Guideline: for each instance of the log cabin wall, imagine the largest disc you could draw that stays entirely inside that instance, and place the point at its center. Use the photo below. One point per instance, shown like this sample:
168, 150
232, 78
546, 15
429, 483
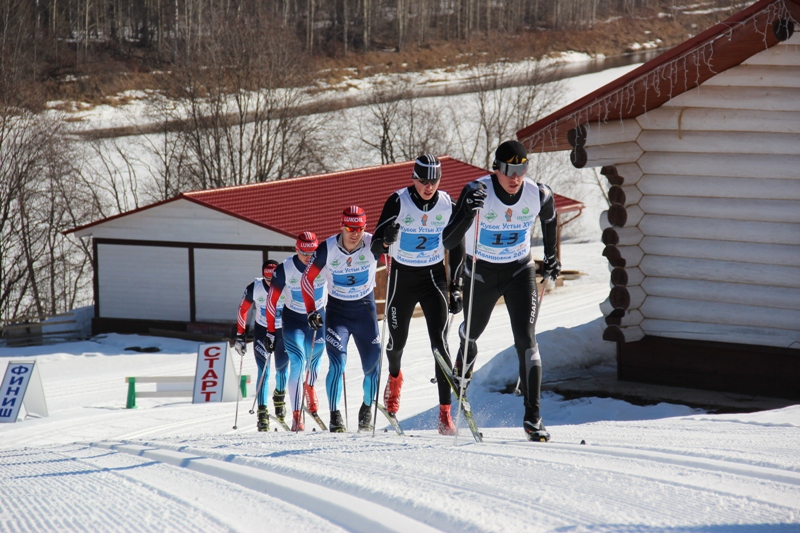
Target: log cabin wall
703, 233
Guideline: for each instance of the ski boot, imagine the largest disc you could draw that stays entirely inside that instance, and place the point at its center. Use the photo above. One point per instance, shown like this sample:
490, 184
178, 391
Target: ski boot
311, 398
337, 424
391, 394
297, 421
446, 426
457, 379
263, 418
365, 418
535, 431
279, 401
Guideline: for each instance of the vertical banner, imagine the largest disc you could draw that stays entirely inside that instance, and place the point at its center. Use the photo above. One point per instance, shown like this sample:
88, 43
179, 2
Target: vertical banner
22, 385
215, 378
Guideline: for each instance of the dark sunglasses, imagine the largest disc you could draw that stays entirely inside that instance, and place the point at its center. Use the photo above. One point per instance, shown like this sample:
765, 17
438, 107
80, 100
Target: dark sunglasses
305, 253
511, 169
426, 182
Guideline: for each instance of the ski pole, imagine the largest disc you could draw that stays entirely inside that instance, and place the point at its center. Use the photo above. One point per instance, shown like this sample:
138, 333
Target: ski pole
344, 391
238, 395
260, 382
517, 392
383, 337
465, 350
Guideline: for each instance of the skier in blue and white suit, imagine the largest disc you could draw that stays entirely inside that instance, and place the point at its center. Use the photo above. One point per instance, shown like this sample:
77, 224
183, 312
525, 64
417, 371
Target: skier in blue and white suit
303, 345
349, 267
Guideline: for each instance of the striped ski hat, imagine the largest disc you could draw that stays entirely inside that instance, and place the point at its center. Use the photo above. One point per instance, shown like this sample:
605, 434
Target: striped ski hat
354, 216
427, 168
307, 242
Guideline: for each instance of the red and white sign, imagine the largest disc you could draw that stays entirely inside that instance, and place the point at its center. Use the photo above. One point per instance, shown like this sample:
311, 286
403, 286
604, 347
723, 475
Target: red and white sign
213, 366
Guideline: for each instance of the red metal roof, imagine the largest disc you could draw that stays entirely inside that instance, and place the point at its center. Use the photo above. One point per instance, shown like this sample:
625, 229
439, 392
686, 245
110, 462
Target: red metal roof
315, 203
685, 67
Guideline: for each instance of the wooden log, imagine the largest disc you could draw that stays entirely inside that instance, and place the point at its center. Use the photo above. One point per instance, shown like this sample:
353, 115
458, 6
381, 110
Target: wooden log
619, 277
616, 195
715, 229
719, 142
607, 309
720, 187
632, 254
612, 132
578, 157
632, 195
632, 333
628, 236
723, 165
627, 298
691, 119
577, 136
787, 211
623, 318
614, 256
658, 307
719, 333
635, 276
724, 292
767, 99
774, 254
630, 172
610, 236
612, 154
617, 215
614, 334
728, 271
611, 174
752, 75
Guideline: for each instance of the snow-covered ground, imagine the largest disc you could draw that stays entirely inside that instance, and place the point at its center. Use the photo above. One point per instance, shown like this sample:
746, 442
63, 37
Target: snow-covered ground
170, 465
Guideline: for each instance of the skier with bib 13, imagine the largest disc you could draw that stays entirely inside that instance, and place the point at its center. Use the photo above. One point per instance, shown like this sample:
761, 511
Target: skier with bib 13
504, 205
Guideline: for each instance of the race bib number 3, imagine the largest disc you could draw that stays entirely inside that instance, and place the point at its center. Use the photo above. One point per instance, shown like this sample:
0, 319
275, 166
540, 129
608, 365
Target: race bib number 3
417, 242
351, 280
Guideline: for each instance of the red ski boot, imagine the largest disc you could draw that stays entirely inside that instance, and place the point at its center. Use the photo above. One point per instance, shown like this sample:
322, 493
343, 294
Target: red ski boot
391, 394
311, 398
297, 421
446, 426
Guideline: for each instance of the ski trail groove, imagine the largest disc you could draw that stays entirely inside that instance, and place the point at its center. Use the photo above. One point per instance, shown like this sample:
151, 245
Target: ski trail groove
352, 513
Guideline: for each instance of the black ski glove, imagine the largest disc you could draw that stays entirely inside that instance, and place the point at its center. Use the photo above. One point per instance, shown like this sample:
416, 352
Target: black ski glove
390, 233
473, 200
551, 267
314, 320
456, 301
269, 341
241, 344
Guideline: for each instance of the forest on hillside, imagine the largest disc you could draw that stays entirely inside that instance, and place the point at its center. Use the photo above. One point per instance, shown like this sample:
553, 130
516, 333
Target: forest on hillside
228, 89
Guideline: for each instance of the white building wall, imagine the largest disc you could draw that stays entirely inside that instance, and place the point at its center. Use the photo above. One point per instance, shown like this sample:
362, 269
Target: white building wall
717, 202
220, 279
143, 282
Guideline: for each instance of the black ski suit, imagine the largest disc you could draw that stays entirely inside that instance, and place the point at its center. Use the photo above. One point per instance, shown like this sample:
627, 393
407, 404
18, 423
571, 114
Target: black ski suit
409, 285
514, 280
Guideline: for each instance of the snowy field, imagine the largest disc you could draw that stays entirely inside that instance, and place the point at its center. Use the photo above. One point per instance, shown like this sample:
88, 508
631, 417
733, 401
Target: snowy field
170, 465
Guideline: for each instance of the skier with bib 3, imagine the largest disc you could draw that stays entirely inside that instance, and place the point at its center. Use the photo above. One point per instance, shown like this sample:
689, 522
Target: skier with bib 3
349, 268
504, 205
303, 345
409, 231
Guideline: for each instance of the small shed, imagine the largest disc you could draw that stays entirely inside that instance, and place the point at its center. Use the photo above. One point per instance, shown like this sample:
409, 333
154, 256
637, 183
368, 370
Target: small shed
183, 263
701, 148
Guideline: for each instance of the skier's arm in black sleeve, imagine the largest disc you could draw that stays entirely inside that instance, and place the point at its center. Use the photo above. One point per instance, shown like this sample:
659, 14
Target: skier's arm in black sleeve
456, 260
460, 220
389, 215
547, 215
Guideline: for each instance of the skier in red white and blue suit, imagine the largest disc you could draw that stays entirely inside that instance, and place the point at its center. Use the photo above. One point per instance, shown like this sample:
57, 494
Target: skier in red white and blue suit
256, 294
303, 345
349, 267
